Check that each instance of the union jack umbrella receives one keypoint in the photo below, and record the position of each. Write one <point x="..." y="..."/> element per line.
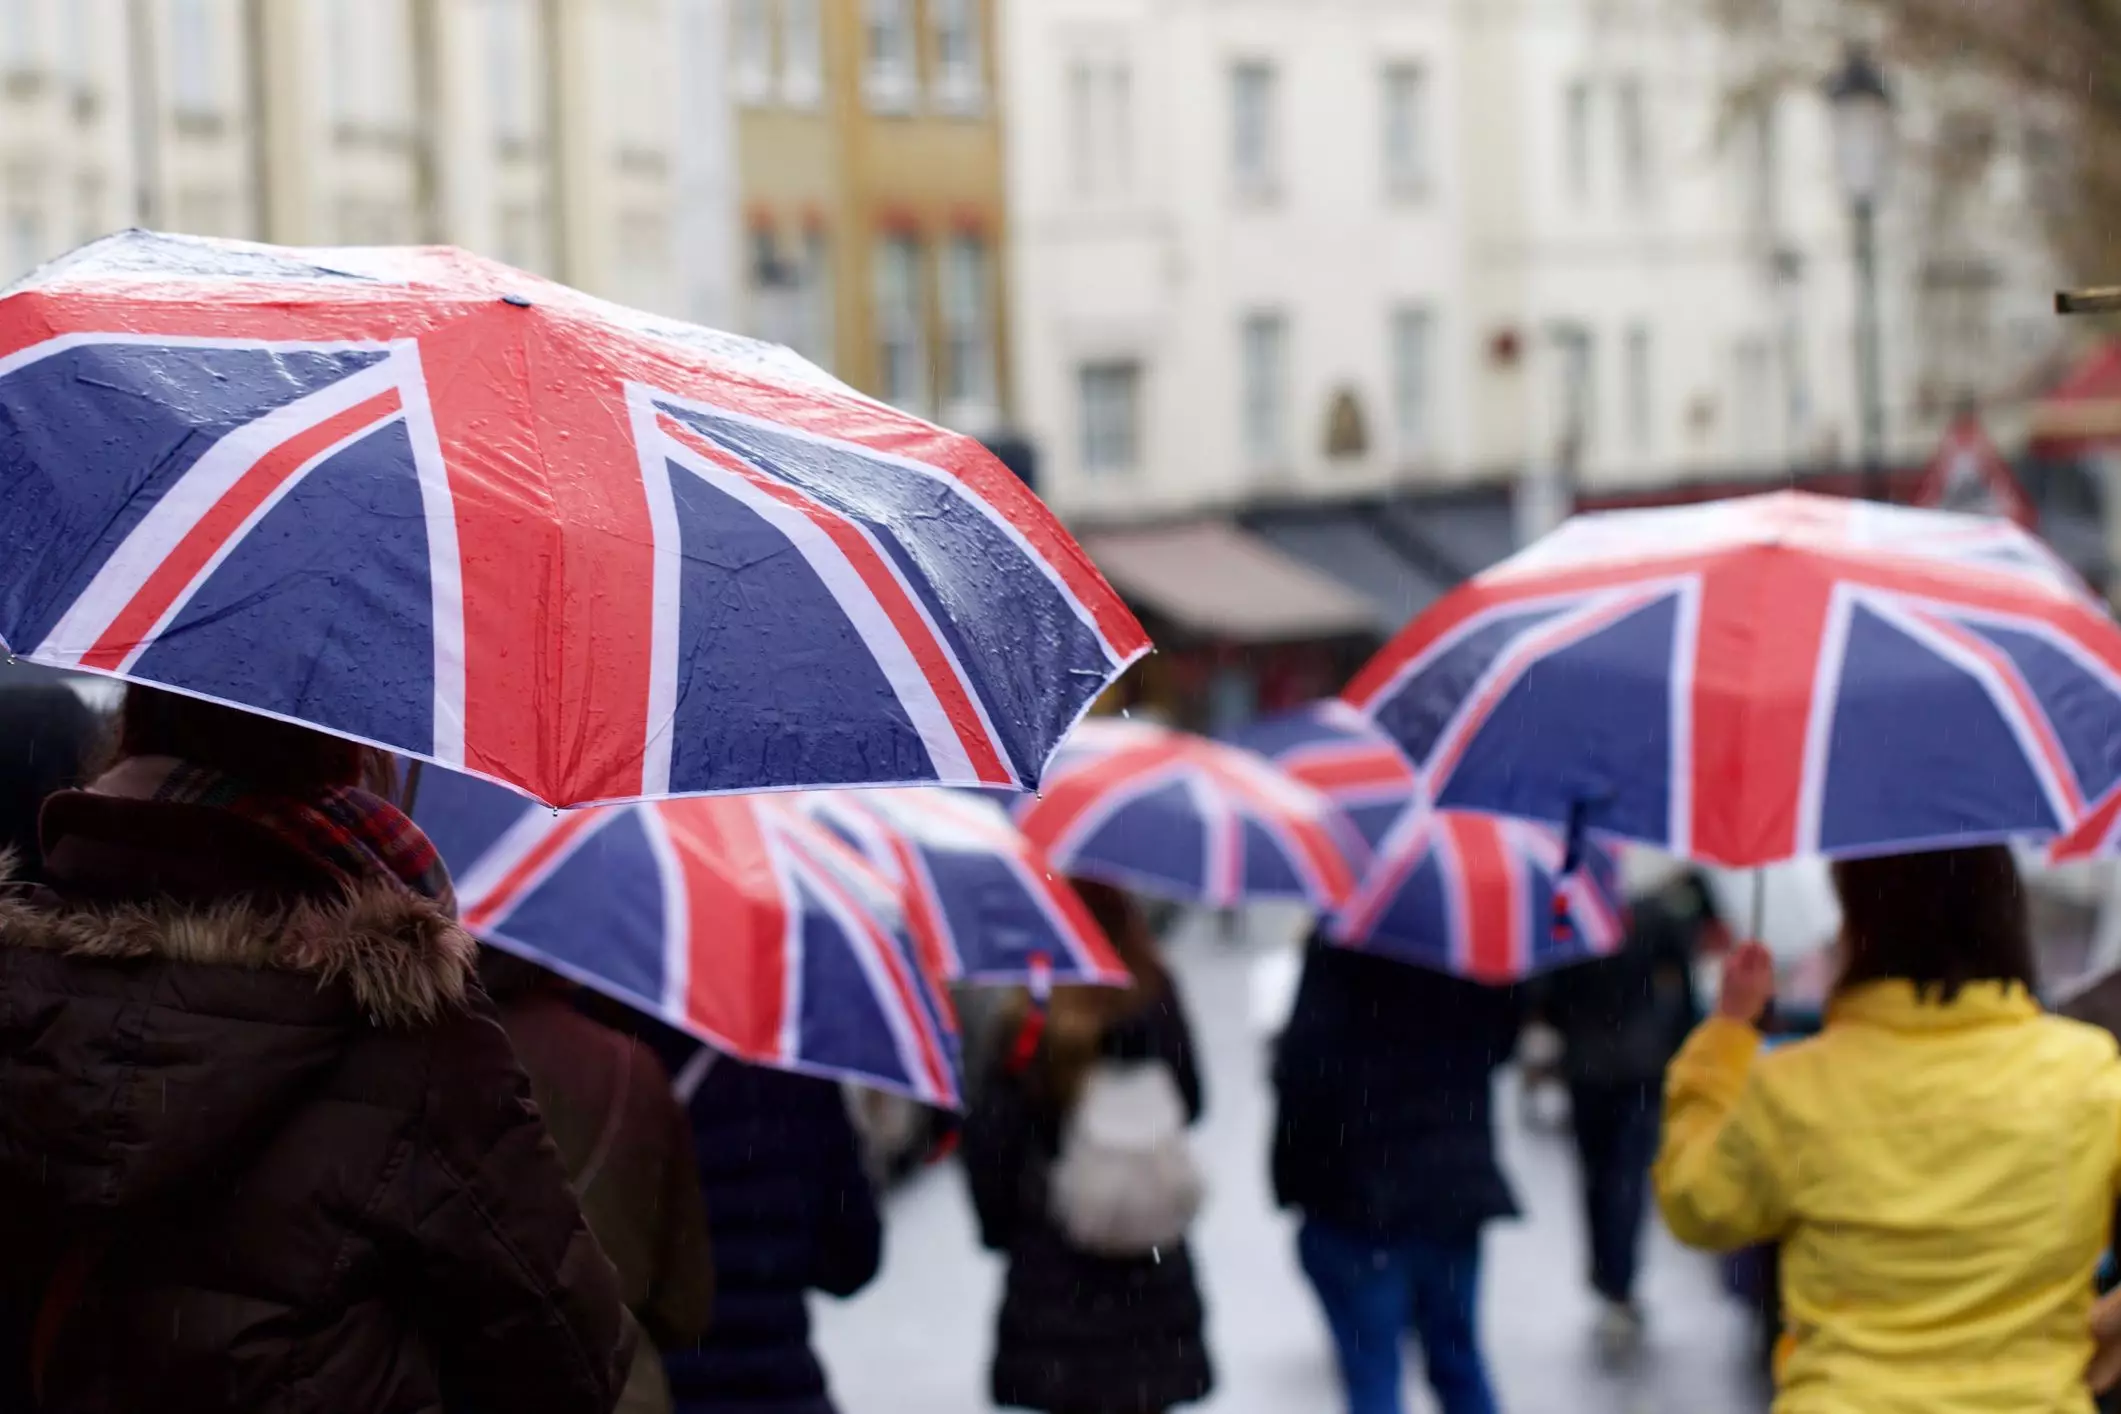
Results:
<point x="734" y="918"/>
<point x="1335" y="749"/>
<point x="425" y="501"/>
<point x="1476" y="895"/>
<point x="1178" y="816"/>
<point x="984" y="904"/>
<point x="1751" y="680"/>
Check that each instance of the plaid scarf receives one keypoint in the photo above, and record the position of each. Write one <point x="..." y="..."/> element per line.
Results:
<point x="355" y="835"/>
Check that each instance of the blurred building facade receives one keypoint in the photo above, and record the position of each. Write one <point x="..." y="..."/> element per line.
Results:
<point x="586" y="139"/>
<point x="1301" y="252"/>
<point x="874" y="213"/>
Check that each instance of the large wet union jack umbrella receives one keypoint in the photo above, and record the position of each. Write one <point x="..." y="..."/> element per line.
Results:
<point x="983" y="903"/>
<point x="1756" y="679"/>
<point x="1178" y="816"/>
<point x="424" y="500"/>
<point x="736" y="919"/>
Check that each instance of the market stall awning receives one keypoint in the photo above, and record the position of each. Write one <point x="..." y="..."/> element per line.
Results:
<point x="1209" y="577"/>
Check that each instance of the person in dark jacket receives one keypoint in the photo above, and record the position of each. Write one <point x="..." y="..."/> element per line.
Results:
<point x="1622" y="1018"/>
<point x="790" y="1210"/>
<point x="628" y="1151"/>
<point x="1384" y="1142"/>
<point x="1080" y="1333"/>
<point x="263" y="1145"/>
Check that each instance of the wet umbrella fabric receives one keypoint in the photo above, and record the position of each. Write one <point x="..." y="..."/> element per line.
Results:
<point x="1758" y="679"/>
<point x="984" y="904"/>
<point x="1177" y="816"/>
<point x="420" y="499"/>
<point x="734" y="918"/>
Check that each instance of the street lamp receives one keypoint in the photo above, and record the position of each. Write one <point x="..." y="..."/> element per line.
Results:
<point x="1863" y="159"/>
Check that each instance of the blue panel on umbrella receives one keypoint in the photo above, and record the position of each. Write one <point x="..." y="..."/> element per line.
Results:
<point x="324" y="611"/>
<point x="990" y="914"/>
<point x="1590" y="722"/>
<point x="1918" y="752"/>
<point x="600" y="914"/>
<point x="93" y="436"/>
<point x="1416" y="925"/>
<point x="1027" y="650"/>
<point x="1269" y="872"/>
<point x="1419" y="709"/>
<point x="842" y="1027"/>
<point x="1154" y="838"/>
<point x="463" y="816"/>
<point x="774" y="684"/>
<point x="2082" y="704"/>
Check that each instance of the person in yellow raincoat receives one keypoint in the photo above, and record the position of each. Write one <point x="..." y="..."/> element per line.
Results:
<point x="1939" y="1164"/>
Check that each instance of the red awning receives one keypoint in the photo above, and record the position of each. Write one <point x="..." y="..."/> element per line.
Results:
<point x="2083" y="412"/>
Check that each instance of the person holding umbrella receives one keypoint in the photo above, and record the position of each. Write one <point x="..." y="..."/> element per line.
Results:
<point x="1940" y="1163"/>
<point x="257" y="1113"/>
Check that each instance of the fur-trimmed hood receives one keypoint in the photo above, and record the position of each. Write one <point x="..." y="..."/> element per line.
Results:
<point x="145" y="1043"/>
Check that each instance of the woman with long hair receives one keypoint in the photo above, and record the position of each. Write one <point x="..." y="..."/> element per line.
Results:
<point x="1939" y="1164"/>
<point x="1083" y="1331"/>
<point x="259" y="1129"/>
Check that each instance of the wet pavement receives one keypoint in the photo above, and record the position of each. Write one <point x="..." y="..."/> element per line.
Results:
<point x="917" y="1341"/>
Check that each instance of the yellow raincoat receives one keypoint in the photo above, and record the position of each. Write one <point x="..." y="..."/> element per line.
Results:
<point x="1942" y="1179"/>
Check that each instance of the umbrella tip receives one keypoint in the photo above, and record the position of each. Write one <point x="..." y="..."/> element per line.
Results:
<point x="519" y="301"/>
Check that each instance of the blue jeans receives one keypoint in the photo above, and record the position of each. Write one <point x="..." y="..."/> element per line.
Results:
<point x="1373" y="1294"/>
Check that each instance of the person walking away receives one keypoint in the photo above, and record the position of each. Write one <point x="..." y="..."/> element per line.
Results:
<point x="790" y="1210"/>
<point x="1384" y="1142"/>
<point x="627" y="1149"/>
<point x="1075" y="1153"/>
<point x="252" y="1093"/>
<point x="1621" y="1019"/>
<point x="1939" y="1163"/>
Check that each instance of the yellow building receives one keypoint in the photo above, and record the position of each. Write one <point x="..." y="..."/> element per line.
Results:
<point x="870" y="166"/>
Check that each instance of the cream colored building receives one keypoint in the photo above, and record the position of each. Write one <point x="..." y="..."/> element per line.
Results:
<point x="585" y="139"/>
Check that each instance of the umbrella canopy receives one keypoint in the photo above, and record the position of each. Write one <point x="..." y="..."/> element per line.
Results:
<point x="983" y="902"/>
<point x="420" y="499"/>
<point x="1177" y="816"/>
<point x="1756" y="679"/>
<point x="733" y="918"/>
<point x="1336" y="750"/>
<point x="1474" y="895"/>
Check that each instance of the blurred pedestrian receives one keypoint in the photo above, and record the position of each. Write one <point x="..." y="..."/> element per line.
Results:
<point x="1621" y="1019"/>
<point x="258" y="1113"/>
<point x="1384" y="1142"/>
<point x="1939" y="1163"/>
<point x="790" y="1210"/>
<point x="628" y="1152"/>
<point x="1075" y="1153"/>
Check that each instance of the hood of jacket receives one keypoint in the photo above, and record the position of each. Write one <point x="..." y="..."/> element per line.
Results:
<point x="148" y="1045"/>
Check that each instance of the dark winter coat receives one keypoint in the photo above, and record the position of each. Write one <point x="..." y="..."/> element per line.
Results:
<point x="1383" y="1077"/>
<point x="789" y="1211"/>
<point x="628" y="1152"/>
<point x="277" y="1128"/>
<point x="1080" y="1333"/>
<point x="1622" y="1018"/>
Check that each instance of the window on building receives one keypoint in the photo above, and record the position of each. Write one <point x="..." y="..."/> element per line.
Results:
<point x="1265" y="369"/>
<point x="1631" y="111"/>
<point x="1762" y="177"/>
<point x="195" y="77"/>
<point x="968" y="332"/>
<point x="1254" y="159"/>
<point x="802" y="53"/>
<point x="1754" y="404"/>
<point x="1575" y="391"/>
<point x="752" y="43"/>
<point x="1119" y="125"/>
<point x="1110" y="393"/>
<point x="78" y="36"/>
<point x="817" y="325"/>
<point x="960" y="60"/>
<point x="1642" y="405"/>
<point x="1406" y="130"/>
<point x="1100" y="127"/>
<point x="890" y="67"/>
<point x="25" y="241"/>
<point x="1082" y="127"/>
<point x="1413" y="375"/>
<point x="18" y="36"/>
<point x="514" y="71"/>
<point x="901" y="344"/>
<point x="1576" y="140"/>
